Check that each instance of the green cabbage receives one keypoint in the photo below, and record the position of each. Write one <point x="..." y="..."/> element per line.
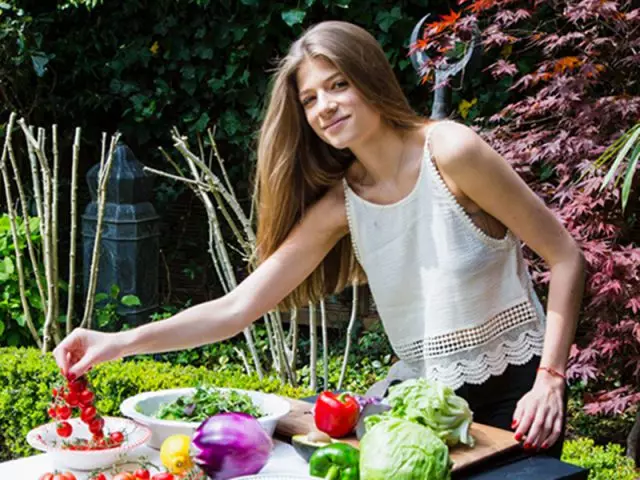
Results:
<point x="433" y="405"/>
<point x="401" y="450"/>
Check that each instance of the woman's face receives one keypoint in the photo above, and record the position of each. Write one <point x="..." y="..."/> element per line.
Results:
<point x="333" y="107"/>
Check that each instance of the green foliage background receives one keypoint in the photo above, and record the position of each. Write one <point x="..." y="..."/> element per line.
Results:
<point x="143" y="67"/>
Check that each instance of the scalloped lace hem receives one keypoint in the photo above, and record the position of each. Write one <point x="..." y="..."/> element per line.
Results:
<point x="477" y="365"/>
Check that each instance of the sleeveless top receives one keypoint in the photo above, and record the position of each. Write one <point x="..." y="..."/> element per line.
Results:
<point x="457" y="304"/>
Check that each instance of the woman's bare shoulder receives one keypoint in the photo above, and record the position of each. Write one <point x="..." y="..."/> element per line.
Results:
<point x="452" y="143"/>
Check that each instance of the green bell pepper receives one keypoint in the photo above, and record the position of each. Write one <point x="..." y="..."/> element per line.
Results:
<point x="338" y="461"/>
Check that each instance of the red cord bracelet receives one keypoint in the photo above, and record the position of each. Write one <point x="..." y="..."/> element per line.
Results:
<point x="553" y="372"/>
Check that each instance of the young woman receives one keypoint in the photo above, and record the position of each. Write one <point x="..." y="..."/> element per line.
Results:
<point x="352" y="185"/>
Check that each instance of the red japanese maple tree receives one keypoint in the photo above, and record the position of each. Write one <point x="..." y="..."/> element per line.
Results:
<point x="577" y="93"/>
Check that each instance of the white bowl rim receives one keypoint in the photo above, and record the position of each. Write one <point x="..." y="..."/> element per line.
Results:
<point x="130" y="403"/>
<point x="35" y="440"/>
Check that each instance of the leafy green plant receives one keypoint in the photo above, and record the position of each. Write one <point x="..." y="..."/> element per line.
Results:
<point x="13" y="331"/>
<point x="107" y="305"/>
<point x="26" y="377"/>
<point x="623" y="155"/>
<point x="604" y="462"/>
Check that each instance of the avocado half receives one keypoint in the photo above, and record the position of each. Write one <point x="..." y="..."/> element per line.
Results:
<point x="307" y="444"/>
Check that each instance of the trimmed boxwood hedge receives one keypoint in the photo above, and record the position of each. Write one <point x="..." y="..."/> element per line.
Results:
<point x="26" y="378"/>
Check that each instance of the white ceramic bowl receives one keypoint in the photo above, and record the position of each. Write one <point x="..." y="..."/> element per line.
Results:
<point x="46" y="439"/>
<point x="141" y="408"/>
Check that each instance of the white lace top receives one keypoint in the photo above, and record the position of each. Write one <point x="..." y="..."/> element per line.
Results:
<point x="457" y="304"/>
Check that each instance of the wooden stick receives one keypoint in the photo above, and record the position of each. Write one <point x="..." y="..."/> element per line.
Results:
<point x="313" y="348"/>
<point x="46" y="239"/>
<point x="14" y="231"/>
<point x="270" y="338"/>
<point x="54" y="234"/>
<point x="74" y="227"/>
<point x="282" y="346"/>
<point x="25" y="215"/>
<point x="352" y="321"/>
<point x="243" y="357"/>
<point x="293" y="330"/>
<point x="221" y="251"/>
<point x="103" y="180"/>
<point x="325" y="343"/>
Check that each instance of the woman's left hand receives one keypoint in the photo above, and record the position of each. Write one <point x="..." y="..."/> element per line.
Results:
<point x="538" y="417"/>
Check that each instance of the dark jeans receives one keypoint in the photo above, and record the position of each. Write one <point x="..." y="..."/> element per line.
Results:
<point x="494" y="401"/>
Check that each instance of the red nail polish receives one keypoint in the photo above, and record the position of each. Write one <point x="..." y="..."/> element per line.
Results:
<point x="545" y="445"/>
<point x="518" y="437"/>
<point x="514" y="424"/>
<point x="527" y="446"/>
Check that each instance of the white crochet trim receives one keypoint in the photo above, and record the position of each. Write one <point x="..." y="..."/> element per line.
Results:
<point x="488" y="363"/>
<point x="472" y="355"/>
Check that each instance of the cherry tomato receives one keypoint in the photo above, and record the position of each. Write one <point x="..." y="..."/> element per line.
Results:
<point x="72" y="399"/>
<point x="163" y="476"/>
<point x="64" y="429"/>
<point x="96" y="425"/>
<point x="86" y="397"/>
<point x="54" y="392"/>
<point x="100" y="476"/>
<point x="52" y="412"/>
<point x="116" y="437"/>
<point x="64" y="476"/>
<point x="46" y="476"/>
<point x="63" y="412"/>
<point x="142" y="474"/>
<point x="124" y="476"/>
<point x="78" y="385"/>
<point x="88" y="414"/>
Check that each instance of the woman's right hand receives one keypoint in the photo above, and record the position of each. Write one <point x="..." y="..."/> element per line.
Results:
<point x="83" y="349"/>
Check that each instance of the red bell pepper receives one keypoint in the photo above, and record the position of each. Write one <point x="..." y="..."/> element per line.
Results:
<point x="336" y="415"/>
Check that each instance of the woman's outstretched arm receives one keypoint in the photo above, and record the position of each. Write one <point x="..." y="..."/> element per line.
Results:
<point x="305" y="247"/>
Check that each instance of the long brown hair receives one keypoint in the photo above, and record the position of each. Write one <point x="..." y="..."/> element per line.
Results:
<point x="295" y="167"/>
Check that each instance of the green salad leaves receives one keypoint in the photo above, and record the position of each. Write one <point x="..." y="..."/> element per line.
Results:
<point x="206" y="402"/>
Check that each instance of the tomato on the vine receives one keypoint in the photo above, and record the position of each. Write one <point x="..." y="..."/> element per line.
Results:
<point x="64" y="429"/>
<point x="72" y="399"/>
<point x="99" y="476"/>
<point x="78" y="385"/>
<point x="63" y="412"/>
<point x="88" y="414"/>
<point x="142" y="474"/>
<point x="116" y="437"/>
<point x="96" y="425"/>
<point x="124" y="476"/>
<point x="64" y="476"/>
<point x="86" y="398"/>
<point x="163" y="476"/>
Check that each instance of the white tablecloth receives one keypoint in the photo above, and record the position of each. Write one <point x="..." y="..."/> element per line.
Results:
<point x="284" y="459"/>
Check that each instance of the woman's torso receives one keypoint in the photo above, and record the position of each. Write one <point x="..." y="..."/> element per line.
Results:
<point x="448" y="280"/>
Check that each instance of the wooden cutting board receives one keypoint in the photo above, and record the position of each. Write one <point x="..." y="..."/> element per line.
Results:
<point x="489" y="440"/>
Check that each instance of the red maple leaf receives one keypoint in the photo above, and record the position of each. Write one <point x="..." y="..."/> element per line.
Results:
<point x="445" y="22"/>
<point x="481" y="5"/>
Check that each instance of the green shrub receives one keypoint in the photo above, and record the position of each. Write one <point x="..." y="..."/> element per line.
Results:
<point x="13" y="329"/>
<point x="604" y="463"/>
<point x="26" y="378"/>
<point x="601" y="428"/>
